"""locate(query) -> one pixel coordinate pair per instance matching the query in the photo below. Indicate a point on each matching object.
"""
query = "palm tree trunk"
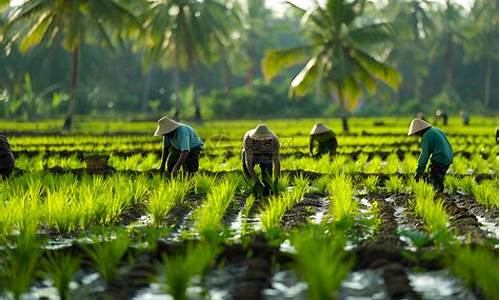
(487, 84)
(145, 92)
(449, 60)
(196, 99)
(72, 101)
(178, 100)
(338, 97)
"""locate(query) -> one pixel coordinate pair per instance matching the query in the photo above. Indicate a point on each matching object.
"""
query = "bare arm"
(250, 167)
(164, 155)
(311, 146)
(180, 161)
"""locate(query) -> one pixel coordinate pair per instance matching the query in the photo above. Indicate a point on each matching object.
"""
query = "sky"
(279, 5)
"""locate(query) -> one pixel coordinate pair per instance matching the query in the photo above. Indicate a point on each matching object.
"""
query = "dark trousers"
(266, 170)
(190, 165)
(5, 172)
(436, 175)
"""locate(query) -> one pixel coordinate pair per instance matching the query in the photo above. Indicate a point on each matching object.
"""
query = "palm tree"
(37, 21)
(481, 40)
(186, 34)
(338, 58)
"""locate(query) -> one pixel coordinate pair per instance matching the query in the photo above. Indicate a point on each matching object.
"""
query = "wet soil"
(463, 221)
(302, 211)
(384, 250)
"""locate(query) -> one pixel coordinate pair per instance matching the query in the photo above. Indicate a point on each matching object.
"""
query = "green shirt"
(436, 146)
(327, 143)
(184, 139)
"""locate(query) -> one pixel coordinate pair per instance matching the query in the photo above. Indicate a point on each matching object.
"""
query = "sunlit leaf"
(278, 60)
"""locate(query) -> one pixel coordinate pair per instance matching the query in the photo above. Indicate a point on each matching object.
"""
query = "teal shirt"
(184, 139)
(436, 146)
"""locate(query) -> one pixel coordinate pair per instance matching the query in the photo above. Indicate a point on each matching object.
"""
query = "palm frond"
(278, 60)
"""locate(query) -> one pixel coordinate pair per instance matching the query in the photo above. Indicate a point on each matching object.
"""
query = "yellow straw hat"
(166, 125)
(417, 125)
(262, 132)
(319, 128)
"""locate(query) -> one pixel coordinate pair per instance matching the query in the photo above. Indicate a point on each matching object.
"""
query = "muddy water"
(286, 285)
(364, 285)
(439, 285)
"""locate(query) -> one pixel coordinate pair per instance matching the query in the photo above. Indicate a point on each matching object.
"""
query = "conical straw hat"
(319, 128)
(166, 125)
(417, 125)
(262, 132)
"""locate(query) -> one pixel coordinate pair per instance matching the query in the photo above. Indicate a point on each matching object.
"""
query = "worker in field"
(261, 147)
(7, 162)
(441, 115)
(181, 147)
(465, 118)
(324, 139)
(434, 145)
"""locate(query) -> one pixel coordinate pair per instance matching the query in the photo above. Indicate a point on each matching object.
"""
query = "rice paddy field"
(353, 227)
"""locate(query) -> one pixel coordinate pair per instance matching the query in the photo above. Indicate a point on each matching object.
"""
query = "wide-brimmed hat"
(166, 125)
(262, 132)
(319, 128)
(417, 125)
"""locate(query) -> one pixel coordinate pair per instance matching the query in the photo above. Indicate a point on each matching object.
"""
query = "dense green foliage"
(447, 56)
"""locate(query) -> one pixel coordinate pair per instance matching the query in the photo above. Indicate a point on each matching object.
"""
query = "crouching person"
(181, 147)
(435, 145)
(261, 147)
(7, 162)
(324, 138)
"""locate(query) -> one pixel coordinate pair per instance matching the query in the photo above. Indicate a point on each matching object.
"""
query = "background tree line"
(238, 59)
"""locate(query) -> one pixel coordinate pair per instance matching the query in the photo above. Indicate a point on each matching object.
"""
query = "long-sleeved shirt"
(327, 143)
(184, 139)
(260, 151)
(6, 156)
(436, 146)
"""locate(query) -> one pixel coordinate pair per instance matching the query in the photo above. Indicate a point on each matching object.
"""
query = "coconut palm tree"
(186, 34)
(481, 41)
(338, 55)
(72, 22)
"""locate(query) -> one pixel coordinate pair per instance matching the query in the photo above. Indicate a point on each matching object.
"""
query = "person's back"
(7, 162)
(440, 147)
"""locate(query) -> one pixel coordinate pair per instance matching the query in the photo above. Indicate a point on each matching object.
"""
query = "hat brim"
(257, 136)
(159, 131)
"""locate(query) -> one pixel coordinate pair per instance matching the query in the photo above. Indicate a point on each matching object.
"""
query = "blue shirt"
(184, 139)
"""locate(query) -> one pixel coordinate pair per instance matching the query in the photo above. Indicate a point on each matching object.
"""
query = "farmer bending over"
(6, 157)
(181, 145)
(436, 146)
(325, 139)
(261, 147)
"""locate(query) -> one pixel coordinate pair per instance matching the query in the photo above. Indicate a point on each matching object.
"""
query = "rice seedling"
(208, 217)
(18, 265)
(394, 185)
(374, 165)
(60, 269)
(166, 197)
(203, 183)
(370, 183)
(272, 213)
(409, 164)
(181, 268)
(391, 164)
(343, 205)
(320, 261)
(427, 208)
(486, 193)
(106, 256)
(468, 184)
(452, 184)
(478, 268)
(322, 184)
(245, 213)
